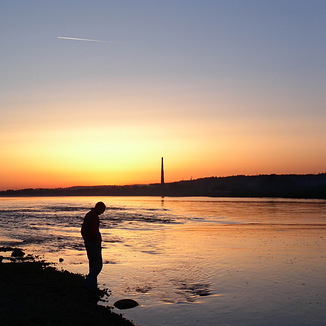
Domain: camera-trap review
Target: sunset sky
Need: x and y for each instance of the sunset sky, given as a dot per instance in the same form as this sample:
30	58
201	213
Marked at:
95	92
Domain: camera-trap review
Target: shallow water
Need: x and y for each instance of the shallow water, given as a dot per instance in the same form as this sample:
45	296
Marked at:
190	261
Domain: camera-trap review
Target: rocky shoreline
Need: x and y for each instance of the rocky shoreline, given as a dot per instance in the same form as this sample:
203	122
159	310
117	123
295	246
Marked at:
34	292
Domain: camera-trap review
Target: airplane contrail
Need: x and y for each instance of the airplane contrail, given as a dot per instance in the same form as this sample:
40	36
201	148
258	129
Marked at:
79	39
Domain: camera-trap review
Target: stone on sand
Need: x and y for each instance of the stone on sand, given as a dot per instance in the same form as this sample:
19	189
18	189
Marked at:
125	304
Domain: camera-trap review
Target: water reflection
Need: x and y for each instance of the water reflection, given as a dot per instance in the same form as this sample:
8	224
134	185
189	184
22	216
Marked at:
190	261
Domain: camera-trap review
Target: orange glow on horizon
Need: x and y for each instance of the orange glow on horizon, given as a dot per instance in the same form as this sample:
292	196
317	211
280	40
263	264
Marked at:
109	155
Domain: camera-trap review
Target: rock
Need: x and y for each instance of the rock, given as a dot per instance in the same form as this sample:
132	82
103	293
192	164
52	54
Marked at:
17	253
61	260
126	304
4	249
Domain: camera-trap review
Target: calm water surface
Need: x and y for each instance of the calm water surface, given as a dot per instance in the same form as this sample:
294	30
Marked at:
189	261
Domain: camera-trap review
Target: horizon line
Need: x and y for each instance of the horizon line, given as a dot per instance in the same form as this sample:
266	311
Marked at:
182	180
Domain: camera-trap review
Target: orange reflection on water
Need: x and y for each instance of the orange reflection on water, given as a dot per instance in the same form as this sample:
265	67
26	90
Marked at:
190	263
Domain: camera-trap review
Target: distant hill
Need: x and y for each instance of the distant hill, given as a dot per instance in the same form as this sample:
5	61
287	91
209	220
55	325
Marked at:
284	186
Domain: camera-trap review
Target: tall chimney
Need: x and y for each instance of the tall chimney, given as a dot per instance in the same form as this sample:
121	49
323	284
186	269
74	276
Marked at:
162	171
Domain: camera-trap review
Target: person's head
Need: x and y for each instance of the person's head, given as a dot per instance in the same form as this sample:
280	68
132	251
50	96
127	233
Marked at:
100	207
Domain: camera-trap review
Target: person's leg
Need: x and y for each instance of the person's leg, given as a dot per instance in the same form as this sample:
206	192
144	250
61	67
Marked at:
94	254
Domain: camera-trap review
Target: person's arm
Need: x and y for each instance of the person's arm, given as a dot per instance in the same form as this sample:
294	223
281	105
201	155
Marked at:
95	229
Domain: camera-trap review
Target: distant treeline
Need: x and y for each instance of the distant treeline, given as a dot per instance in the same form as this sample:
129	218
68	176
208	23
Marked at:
284	186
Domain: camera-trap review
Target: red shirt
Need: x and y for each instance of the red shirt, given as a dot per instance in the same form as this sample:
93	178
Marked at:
91	228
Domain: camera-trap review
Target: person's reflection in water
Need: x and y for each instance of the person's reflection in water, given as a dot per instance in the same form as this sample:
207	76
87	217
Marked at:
92	237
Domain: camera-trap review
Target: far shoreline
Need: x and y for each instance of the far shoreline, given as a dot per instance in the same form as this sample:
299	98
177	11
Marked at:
292	186
164	197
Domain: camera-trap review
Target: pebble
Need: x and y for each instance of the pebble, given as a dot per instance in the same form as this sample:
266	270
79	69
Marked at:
125	304
17	253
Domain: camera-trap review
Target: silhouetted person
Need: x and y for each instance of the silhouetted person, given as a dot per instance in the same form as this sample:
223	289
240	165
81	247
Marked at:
92	237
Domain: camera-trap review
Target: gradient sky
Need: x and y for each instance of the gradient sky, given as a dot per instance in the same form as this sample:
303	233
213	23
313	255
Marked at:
218	88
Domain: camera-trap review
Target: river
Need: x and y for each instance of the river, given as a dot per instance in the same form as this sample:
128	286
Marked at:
189	261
